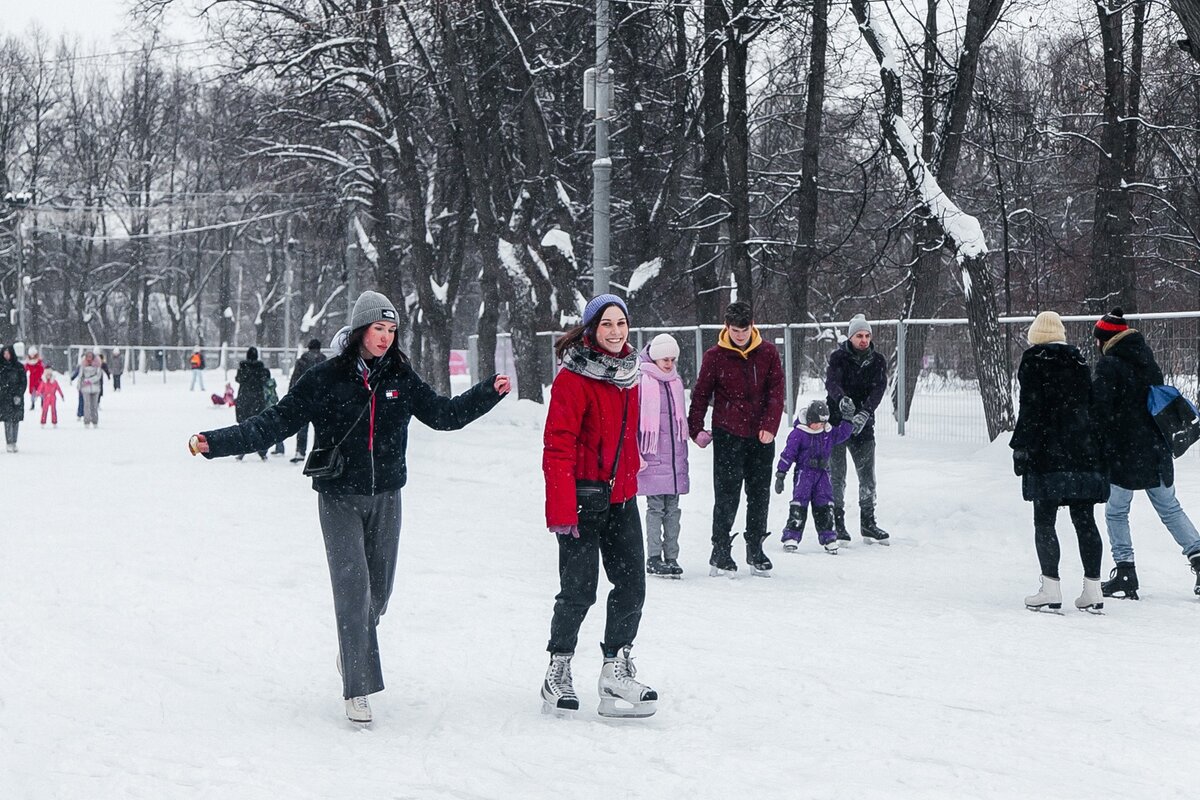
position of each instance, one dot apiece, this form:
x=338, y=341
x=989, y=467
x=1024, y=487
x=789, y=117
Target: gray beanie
x=371, y=307
x=857, y=323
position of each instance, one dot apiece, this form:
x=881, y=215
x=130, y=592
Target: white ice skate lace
x=359, y=704
x=560, y=677
x=623, y=669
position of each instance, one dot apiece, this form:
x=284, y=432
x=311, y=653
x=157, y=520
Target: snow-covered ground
x=166, y=631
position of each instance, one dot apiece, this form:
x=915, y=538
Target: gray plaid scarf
x=622, y=372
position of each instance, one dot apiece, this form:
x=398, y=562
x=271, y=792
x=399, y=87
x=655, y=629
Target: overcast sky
x=96, y=21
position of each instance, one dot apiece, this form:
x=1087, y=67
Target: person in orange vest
x=196, y=362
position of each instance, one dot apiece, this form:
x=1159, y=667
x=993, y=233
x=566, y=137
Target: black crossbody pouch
x=592, y=497
x=327, y=463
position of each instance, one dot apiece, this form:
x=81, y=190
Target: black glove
x=1021, y=461
x=847, y=407
x=779, y=476
x=859, y=421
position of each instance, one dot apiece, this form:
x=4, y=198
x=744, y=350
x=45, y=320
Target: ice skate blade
x=1052, y=608
x=884, y=542
x=1096, y=609
x=664, y=577
x=557, y=713
x=760, y=573
x=714, y=572
x=790, y=548
x=612, y=708
x=1124, y=594
x=833, y=551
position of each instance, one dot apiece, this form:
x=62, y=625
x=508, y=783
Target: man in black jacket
x=311, y=358
x=1137, y=454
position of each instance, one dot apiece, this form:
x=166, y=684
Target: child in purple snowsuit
x=808, y=447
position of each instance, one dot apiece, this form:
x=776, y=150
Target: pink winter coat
x=666, y=458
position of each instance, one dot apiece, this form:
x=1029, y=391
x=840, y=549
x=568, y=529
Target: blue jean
x=197, y=377
x=1116, y=516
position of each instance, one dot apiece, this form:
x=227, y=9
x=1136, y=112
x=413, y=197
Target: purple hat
x=596, y=306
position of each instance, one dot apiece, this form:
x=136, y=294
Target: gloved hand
x=565, y=530
x=1021, y=461
x=847, y=407
x=704, y=439
x=859, y=421
x=779, y=476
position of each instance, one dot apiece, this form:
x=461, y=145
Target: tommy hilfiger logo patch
x=391, y=394
x=387, y=313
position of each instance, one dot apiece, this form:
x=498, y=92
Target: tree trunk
x=737, y=154
x=707, y=266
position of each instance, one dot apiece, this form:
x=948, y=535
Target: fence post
x=901, y=377
x=699, y=350
x=789, y=397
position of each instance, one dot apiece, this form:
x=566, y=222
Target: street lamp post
x=602, y=165
x=18, y=202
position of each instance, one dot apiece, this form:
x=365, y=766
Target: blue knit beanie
x=596, y=306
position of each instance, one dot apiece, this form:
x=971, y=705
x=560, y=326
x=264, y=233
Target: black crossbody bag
x=592, y=497
x=328, y=463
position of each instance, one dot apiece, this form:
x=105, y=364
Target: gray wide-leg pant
x=362, y=536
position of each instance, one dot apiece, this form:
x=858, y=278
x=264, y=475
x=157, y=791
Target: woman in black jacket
x=12, y=395
x=252, y=376
x=360, y=403
x=1057, y=455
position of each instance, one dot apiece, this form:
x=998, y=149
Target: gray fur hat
x=371, y=307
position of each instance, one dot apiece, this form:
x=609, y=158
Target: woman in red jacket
x=591, y=463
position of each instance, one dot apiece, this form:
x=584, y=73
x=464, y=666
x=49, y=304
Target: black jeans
x=1091, y=549
x=739, y=461
x=302, y=440
x=863, y=453
x=615, y=538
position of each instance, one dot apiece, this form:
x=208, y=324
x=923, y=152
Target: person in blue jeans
x=1137, y=455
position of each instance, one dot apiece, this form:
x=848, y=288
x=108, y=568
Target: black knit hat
x=314, y=344
x=1110, y=325
x=817, y=412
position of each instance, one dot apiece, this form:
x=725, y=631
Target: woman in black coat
x=12, y=395
x=252, y=376
x=360, y=403
x=1057, y=454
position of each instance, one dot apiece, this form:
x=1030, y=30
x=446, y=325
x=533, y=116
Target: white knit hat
x=663, y=346
x=371, y=307
x=1047, y=328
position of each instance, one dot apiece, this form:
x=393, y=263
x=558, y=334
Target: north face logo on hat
x=387, y=313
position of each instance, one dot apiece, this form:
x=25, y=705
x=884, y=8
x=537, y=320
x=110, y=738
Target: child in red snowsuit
x=49, y=391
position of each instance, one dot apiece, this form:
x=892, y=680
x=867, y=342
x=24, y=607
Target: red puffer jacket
x=583, y=424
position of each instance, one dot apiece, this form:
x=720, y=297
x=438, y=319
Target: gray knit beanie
x=858, y=323
x=371, y=307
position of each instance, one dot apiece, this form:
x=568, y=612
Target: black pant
x=736, y=461
x=10, y=431
x=302, y=440
x=616, y=538
x=362, y=538
x=863, y=453
x=116, y=381
x=1091, y=549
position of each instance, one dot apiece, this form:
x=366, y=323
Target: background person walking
x=312, y=356
x=742, y=378
x=1057, y=455
x=855, y=381
x=12, y=395
x=1135, y=451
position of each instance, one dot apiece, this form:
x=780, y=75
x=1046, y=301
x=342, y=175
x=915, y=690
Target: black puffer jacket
x=12, y=387
x=303, y=364
x=332, y=397
x=1056, y=450
x=859, y=375
x=1136, y=453
x=251, y=377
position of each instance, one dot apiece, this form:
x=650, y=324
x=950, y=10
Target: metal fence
x=945, y=404
x=157, y=361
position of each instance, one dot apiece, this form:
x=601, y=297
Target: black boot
x=1122, y=581
x=839, y=524
x=755, y=557
x=871, y=532
x=1195, y=559
x=656, y=566
x=722, y=559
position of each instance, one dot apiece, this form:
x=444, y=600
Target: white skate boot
x=358, y=710
x=1091, y=601
x=558, y=692
x=622, y=696
x=1048, y=598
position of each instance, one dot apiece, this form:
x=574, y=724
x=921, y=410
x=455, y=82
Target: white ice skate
x=1048, y=598
x=832, y=548
x=358, y=710
x=791, y=546
x=620, y=695
x=1091, y=601
x=558, y=691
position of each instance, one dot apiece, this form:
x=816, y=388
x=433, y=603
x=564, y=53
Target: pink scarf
x=651, y=408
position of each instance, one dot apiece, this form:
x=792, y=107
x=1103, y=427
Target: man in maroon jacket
x=742, y=378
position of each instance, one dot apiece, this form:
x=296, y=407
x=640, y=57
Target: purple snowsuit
x=810, y=453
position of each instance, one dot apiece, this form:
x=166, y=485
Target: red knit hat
x=1110, y=325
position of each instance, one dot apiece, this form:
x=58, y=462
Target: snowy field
x=166, y=631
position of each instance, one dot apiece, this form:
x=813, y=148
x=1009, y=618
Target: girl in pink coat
x=49, y=391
